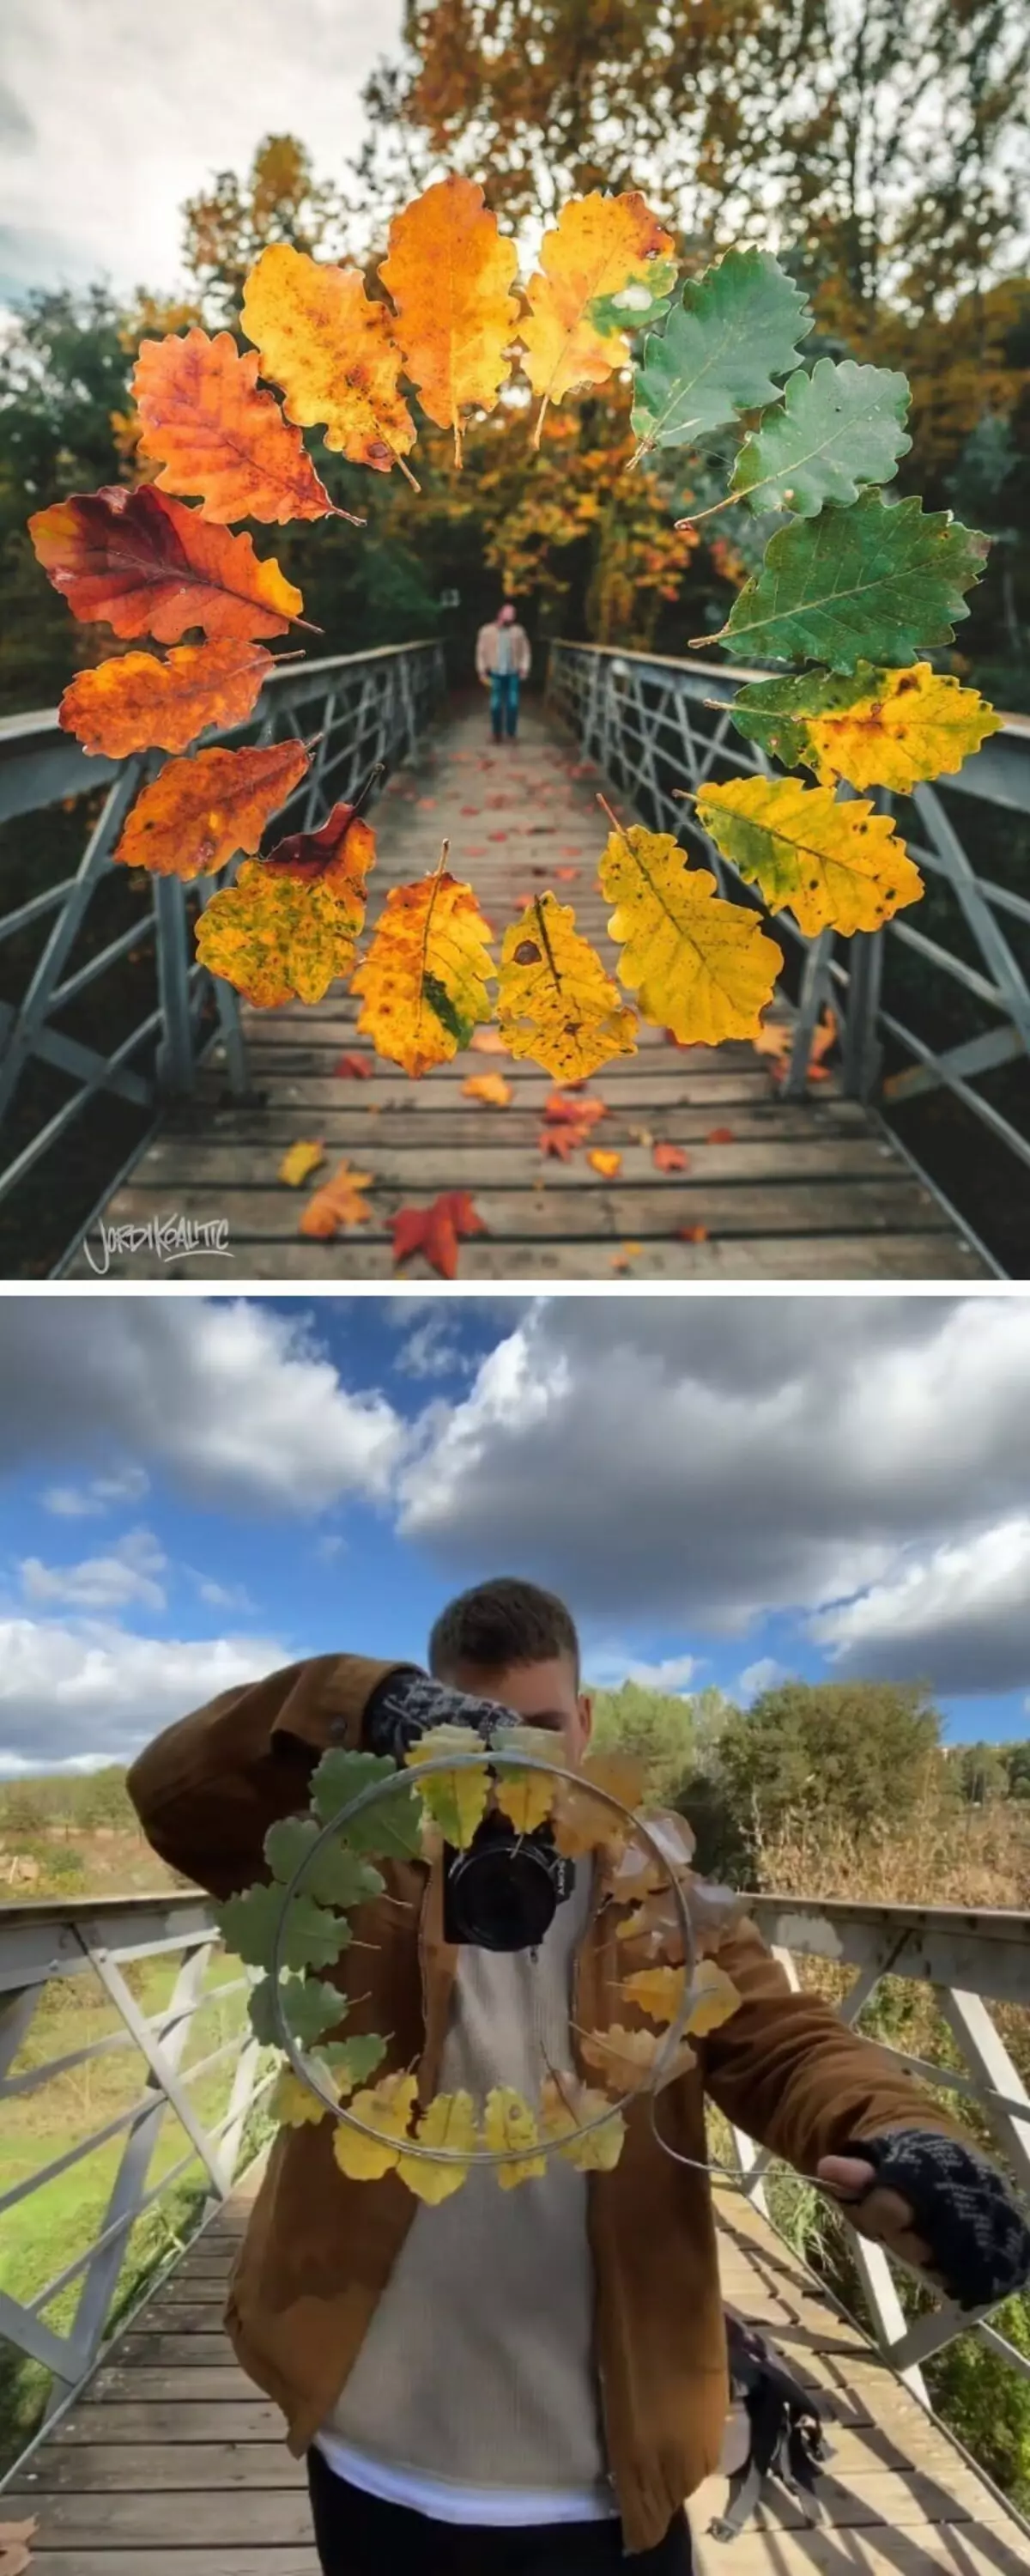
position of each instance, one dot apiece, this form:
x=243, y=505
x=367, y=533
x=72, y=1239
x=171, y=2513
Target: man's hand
x=939, y=2205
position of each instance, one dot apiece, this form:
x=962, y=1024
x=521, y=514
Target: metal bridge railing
x=94, y=1945
x=970, y=1961
x=363, y=707
x=652, y=726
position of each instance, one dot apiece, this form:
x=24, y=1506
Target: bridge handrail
x=970, y=1959
x=650, y=722
x=361, y=707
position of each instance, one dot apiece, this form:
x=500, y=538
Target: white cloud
x=128, y=1573
x=609, y=1667
x=430, y=1349
x=84, y=1683
x=722, y=1458
x=81, y=1502
x=234, y=1401
x=223, y=1596
x=760, y=1676
x=961, y=1609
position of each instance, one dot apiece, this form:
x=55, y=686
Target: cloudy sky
x=196, y=1490
x=111, y=114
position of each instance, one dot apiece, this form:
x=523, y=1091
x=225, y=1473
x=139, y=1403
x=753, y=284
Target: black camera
x=503, y=1891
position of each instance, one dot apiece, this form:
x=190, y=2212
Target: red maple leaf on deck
x=434, y=1231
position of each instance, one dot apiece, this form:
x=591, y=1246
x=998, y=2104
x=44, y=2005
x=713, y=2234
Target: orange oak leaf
x=562, y=1142
x=340, y=1201
x=354, y=1068
x=136, y=703
x=692, y=1233
x=568, y=874
x=289, y=926
x=670, y=1158
x=490, y=1087
x=488, y=1042
x=196, y=814
x=605, y=1161
x=299, y=1160
x=449, y=272
x=204, y=421
x=776, y=1039
x=147, y=565
x=580, y=1111
x=599, y=247
x=333, y=353
x=435, y=1231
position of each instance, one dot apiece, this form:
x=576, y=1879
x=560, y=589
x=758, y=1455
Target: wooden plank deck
x=812, y=1190
x=172, y=2464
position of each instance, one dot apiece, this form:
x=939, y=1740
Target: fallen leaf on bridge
x=196, y=814
x=435, y=1231
x=692, y=1233
x=423, y=980
x=568, y=875
x=213, y=432
x=450, y=272
x=580, y=1111
x=490, y=1087
x=340, y=1201
x=562, y=1142
x=605, y=1160
x=354, y=1068
x=776, y=1039
x=555, y=1003
x=136, y=703
x=15, y=2546
x=488, y=1042
x=298, y=1161
x=147, y=565
x=720, y=1136
x=669, y=1158
x=332, y=352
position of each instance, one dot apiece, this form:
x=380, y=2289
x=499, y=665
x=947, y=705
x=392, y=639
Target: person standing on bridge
x=503, y=661
x=530, y=2382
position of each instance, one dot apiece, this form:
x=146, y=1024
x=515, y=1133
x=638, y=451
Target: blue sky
x=724, y=1489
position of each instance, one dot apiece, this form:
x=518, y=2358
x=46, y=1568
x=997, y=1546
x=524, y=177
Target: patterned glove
x=961, y=2207
x=408, y=1703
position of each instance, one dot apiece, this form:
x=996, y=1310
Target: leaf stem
x=368, y=785
x=696, y=516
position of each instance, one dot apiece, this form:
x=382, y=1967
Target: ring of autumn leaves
x=362, y=1809
x=854, y=588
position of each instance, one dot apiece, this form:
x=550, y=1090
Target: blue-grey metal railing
x=362, y=707
x=654, y=724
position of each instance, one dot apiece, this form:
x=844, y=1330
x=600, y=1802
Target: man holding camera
x=530, y=2382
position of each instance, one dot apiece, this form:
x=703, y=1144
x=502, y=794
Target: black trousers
x=359, y=2535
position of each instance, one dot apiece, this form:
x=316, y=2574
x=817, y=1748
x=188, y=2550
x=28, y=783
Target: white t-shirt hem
x=508, y=2507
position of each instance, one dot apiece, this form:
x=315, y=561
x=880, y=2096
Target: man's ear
x=586, y=1715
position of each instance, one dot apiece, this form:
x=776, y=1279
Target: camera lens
x=501, y=1895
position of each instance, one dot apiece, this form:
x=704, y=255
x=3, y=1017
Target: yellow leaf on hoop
x=387, y=2108
x=567, y=2105
x=526, y=1797
x=658, y=1991
x=294, y=2104
x=456, y=1800
x=447, y=2123
x=626, y=2059
x=510, y=2123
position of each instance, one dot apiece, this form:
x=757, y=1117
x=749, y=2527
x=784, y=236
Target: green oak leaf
x=250, y=1924
x=310, y=2009
x=339, y=1875
x=878, y=582
x=393, y=1827
x=350, y=2062
x=835, y=430
x=639, y=305
x=775, y=713
x=725, y=344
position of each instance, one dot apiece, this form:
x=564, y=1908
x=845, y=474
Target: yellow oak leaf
x=526, y=1797
x=626, y=2059
x=491, y=1087
x=658, y=1991
x=583, y=1822
x=333, y=354
x=423, y=979
x=298, y=1161
x=599, y=247
x=289, y=925
x=837, y=866
x=456, y=1800
x=294, y=2104
x=912, y=725
x=700, y=967
x=565, y=2105
x=387, y=2108
x=510, y=2123
x=449, y=272
x=555, y=1002
x=448, y=2123
x=606, y=1161
x=713, y=1998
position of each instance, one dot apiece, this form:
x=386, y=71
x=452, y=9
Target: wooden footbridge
x=160, y=2458
x=785, y=1176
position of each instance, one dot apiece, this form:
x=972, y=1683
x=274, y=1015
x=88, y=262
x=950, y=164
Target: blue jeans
x=504, y=703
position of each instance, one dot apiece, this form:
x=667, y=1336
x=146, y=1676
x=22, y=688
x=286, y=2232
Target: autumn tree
x=280, y=200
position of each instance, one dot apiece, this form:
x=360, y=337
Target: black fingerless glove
x=961, y=2207
x=408, y=1703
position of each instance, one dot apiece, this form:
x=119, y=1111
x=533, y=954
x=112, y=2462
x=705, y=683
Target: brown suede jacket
x=319, y=2248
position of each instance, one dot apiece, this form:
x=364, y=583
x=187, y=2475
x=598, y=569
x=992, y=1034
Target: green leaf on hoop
x=835, y=430
x=250, y=1924
x=393, y=1827
x=878, y=582
x=724, y=346
x=310, y=2009
x=351, y=2061
x=339, y=1876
